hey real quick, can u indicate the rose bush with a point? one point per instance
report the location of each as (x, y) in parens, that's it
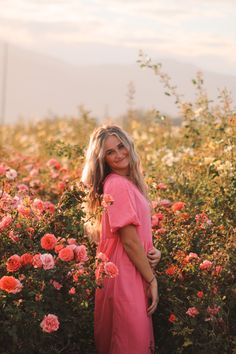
(48, 269)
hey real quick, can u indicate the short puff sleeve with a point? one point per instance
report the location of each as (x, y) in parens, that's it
(122, 211)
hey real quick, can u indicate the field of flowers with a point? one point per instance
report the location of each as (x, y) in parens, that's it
(47, 262)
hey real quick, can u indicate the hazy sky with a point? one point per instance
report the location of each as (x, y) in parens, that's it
(202, 32)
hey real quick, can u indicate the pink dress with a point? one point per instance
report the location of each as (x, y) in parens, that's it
(122, 325)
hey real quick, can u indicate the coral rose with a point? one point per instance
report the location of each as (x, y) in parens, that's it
(48, 241)
(5, 222)
(192, 311)
(111, 270)
(66, 254)
(177, 206)
(13, 263)
(171, 270)
(36, 261)
(205, 265)
(81, 253)
(172, 318)
(10, 284)
(50, 323)
(26, 258)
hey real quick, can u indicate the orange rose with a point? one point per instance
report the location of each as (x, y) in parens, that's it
(66, 254)
(10, 284)
(48, 241)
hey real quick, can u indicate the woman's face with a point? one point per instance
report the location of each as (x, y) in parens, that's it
(116, 155)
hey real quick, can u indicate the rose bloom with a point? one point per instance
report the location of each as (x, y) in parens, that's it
(191, 256)
(13, 237)
(192, 311)
(72, 291)
(161, 186)
(10, 284)
(38, 204)
(107, 200)
(172, 318)
(213, 310)
(11, 174)
(47, 261)
(56, 285)
(50, 207)
(101, 256)
(66, 254)
(13, 263)
(81, 253)
(161, 231)
(54, 163)
(48, 241)
(58, 247)
(36, 261)
(5, 222)
(26, 258)
(50, 323)
(72, 241)
(165, 203)
(205, 265)
(111, 269)
(200, 294)
(156, 219)
(22, 188)
(23, 211)
(217, 270)
(178, 206)
(171, 270)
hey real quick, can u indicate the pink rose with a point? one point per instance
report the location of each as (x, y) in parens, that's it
(192, 311)
(162, 186)
(56, 285)
(11, 174)
(111, 269)
(191, 256)
(47, 261)
(156, 219)
(50, 323)
(13, 237)
(5, 222)
(50, 207)
(54, 164)
(213, 310)
(23, 210)
(38, 204)
(165, 203)
(22, 188)
(72, 291)
(36, 261)
(81, 253)
(102, 257)
(205, 265)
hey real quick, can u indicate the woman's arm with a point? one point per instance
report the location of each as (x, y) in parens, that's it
(135, 251)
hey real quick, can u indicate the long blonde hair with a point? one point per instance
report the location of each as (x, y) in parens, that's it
(96, 169)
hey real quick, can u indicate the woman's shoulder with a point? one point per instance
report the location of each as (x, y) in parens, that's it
(114, 180)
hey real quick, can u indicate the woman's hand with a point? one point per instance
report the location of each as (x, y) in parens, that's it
(154, 256)
(153, 295)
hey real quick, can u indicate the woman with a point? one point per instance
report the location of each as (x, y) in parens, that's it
(124, 305)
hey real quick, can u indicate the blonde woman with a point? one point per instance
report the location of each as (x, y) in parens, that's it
(124, 305)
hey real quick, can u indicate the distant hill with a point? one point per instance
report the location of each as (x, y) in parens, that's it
(40, 86)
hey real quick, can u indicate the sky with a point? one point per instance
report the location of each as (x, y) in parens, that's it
(85, 32)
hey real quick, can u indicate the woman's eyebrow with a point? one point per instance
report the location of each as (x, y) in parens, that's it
(111, 149)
